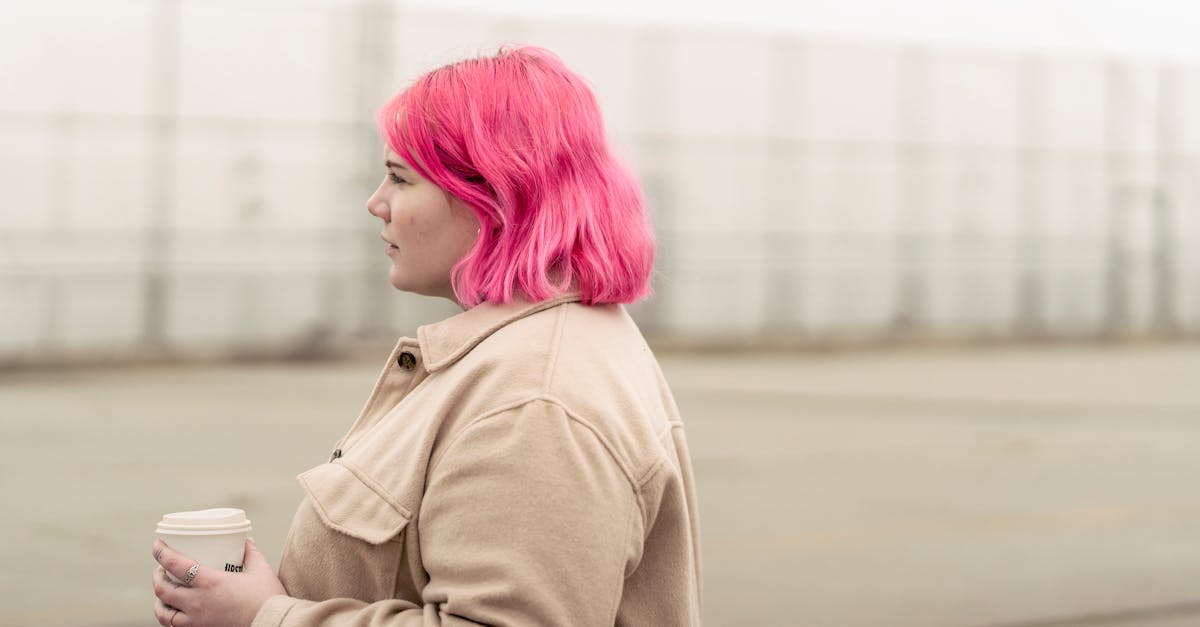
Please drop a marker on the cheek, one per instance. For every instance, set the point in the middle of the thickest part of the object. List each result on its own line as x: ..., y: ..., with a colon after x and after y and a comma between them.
x: 460, y: 241
x: 465, y: 229
x: 415, y: 229
x: 410, y: 230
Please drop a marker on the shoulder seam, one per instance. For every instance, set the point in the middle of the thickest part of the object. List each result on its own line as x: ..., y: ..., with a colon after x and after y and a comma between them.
x: 475, y: 421
x: 636, y: 483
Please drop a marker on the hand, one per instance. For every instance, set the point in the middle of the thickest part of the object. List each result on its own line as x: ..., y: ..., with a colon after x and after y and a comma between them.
x: 214, y: 598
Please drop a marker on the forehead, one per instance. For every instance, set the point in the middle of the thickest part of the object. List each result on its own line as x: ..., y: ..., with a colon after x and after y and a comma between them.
x: 390, y: 155
x: 393, y: 160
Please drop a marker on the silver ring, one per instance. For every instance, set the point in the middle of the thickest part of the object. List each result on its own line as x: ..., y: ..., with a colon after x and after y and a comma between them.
x: 171, y: 623
x: 191, y: 574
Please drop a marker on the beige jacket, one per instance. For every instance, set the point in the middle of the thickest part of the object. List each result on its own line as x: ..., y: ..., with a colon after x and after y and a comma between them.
x: 515, y: 465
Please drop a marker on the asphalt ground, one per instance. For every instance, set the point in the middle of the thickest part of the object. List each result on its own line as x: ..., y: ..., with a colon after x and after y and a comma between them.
x: 1001, y: 487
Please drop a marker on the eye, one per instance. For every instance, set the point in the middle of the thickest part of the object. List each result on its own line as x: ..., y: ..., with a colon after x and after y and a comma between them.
x: 395, y: 179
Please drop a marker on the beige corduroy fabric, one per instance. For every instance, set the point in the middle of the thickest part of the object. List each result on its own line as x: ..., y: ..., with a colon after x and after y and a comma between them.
x: 520, y: 464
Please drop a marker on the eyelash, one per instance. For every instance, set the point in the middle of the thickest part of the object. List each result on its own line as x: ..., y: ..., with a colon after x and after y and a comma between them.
x: 395, y: 179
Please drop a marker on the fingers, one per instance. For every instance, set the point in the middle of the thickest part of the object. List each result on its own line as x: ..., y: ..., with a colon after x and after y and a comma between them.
x: 178, y: 564
x: 167, y: 591
x: 160, y: 612
x: 168, y: 616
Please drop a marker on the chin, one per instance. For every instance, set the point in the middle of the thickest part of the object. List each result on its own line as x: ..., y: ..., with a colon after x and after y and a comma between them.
x: 407, y: 286
x: 424, y: 284
x: 397, y: 282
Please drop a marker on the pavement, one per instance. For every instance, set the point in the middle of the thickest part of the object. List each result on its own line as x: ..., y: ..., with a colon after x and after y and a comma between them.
x: 1026, y: 486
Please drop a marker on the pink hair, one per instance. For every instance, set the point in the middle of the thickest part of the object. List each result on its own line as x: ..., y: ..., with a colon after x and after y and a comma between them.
x: 520, y: 139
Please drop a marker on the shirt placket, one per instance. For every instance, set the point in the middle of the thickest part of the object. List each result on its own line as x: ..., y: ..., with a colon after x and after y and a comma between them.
x: 403, y: 371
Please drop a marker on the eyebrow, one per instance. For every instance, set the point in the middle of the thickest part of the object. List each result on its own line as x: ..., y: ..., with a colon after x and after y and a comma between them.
x: 393, y: 164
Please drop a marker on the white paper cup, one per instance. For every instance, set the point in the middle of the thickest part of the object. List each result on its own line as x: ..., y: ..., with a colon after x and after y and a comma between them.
x: 214, y: 537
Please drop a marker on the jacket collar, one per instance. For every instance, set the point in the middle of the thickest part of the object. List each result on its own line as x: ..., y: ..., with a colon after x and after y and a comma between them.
x: 443, y: 343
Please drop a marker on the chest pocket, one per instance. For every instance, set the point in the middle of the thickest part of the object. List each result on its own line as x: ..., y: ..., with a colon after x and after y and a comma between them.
x: 352, y: 503
x: 348, y: 538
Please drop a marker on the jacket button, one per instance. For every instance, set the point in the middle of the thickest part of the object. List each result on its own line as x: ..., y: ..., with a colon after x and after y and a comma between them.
x: 406, y: 360
x: 336, y: 454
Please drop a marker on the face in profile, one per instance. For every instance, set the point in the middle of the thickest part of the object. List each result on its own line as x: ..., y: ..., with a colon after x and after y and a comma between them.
x: 426, y: 229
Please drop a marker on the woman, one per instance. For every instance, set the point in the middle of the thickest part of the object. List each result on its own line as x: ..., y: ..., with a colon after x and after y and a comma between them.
x: 522, y: 462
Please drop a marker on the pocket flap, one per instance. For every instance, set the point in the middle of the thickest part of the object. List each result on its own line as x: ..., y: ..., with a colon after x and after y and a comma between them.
x: 353, y: 503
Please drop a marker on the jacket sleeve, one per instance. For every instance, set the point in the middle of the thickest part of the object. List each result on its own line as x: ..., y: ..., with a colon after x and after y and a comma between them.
x: 527, y: 519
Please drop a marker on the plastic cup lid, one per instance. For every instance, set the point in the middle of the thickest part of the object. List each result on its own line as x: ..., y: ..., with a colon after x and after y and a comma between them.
x: 216, y: 520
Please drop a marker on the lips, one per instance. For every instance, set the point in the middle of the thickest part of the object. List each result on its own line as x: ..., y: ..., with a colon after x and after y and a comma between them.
x: 390, y: 246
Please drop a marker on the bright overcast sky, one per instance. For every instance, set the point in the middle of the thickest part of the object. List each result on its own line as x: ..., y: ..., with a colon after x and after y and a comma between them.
x: 1168, y: 28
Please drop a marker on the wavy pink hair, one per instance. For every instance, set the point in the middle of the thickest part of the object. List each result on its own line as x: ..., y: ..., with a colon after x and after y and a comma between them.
x: 520, y: 139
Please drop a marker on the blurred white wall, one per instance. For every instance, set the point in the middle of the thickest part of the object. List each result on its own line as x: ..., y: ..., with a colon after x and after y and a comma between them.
x: 192, y: 174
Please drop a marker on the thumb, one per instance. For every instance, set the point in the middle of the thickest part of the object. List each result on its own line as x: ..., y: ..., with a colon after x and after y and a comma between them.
x: 254, y: 557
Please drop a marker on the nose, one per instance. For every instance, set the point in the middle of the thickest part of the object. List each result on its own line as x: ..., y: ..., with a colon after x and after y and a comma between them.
x: 376, y: 206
